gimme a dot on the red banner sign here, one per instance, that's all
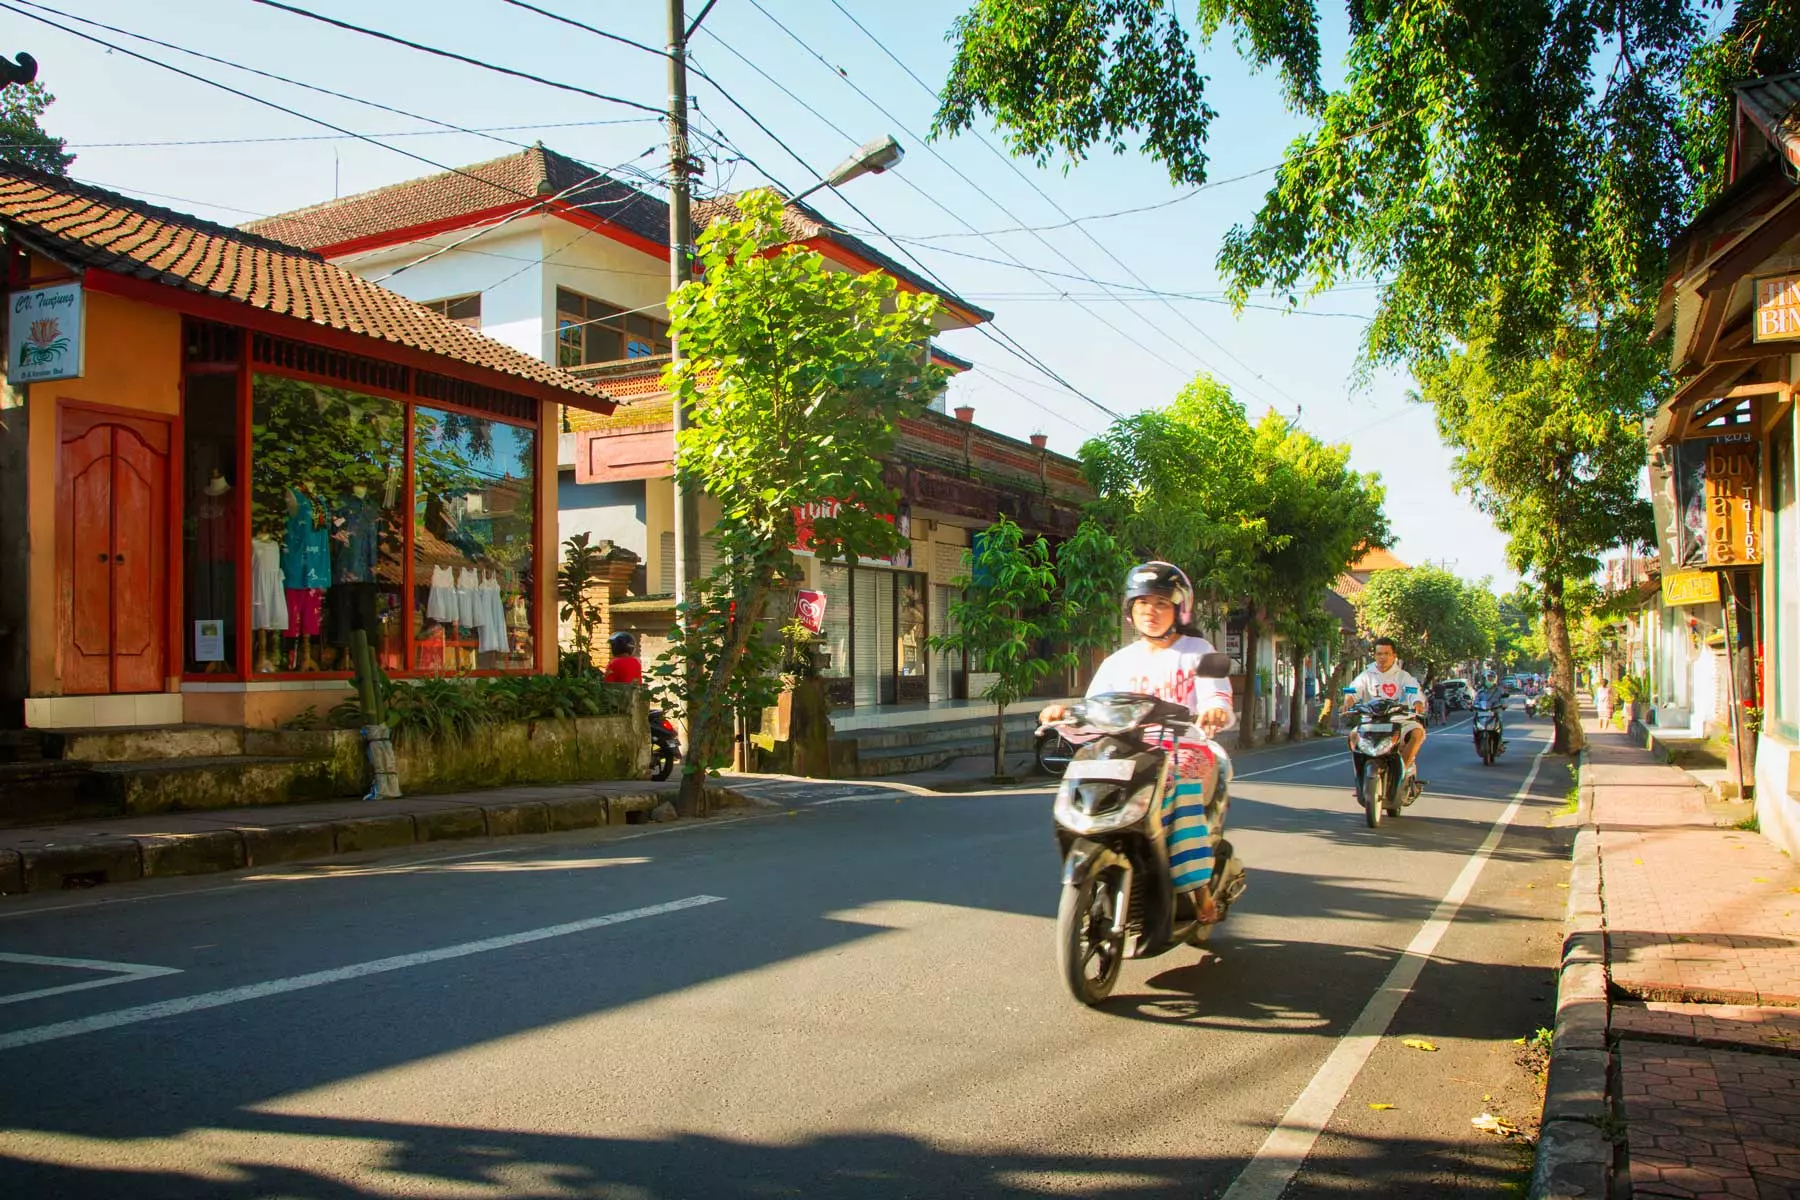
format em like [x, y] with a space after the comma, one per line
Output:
[810, 608]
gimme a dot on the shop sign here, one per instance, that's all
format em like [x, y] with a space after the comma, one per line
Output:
[806, 514]
[1680, 500]
[43, 334]
[1733, 516]
[809, 607]
[1778, 308]
[1690, 587]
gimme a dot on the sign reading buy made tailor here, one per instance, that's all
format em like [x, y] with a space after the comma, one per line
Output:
[1778, 308]
[43, 334]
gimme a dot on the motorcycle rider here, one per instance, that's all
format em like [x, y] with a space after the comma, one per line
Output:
[1159, 602]
[624, 666]
[1386, 679]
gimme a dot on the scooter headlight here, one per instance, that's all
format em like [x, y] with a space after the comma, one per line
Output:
[1100, 807]
[1120, 716]
[1375, 747]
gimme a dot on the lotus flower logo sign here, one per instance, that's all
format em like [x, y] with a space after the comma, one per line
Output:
[44, 344]
[44, 334]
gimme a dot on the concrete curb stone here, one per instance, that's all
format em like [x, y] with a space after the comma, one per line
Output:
[109, 858]
[1575, 1155]
[112, 860]
[447, 824]
[270, 844]
[192, 853]
[373, 833]
[511, 820]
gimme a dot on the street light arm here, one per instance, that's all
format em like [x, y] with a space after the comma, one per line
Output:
[871, 158]
[695, 23]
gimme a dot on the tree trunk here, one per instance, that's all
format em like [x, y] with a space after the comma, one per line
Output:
[1333, 693]
[1297, 701]
[1248, 734]
[999, 742]
[713, 707]
[1568, 737]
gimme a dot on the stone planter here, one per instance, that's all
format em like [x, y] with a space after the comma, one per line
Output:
[531, 752]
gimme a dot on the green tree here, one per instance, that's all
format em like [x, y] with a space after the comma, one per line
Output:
[1006, 612]
[1090, 573]
[1435, 619]
[21, 109]
[582, 572]
[1553, 450]
[1325, 515]
[794, 374]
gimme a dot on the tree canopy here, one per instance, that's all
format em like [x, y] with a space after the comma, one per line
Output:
[22, 138]
[1435, 619]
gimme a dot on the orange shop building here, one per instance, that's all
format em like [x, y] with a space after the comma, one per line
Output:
[221, 456]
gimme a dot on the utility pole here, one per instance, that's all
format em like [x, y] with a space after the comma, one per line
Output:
[687, 506]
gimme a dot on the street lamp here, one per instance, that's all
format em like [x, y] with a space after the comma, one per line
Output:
[871, 158]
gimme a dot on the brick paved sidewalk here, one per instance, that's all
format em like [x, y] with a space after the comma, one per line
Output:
[1703, 951]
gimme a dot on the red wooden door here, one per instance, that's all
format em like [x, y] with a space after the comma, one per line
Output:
[113, 527]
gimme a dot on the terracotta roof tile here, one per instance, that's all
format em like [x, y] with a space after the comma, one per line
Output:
[92, 227]
[1774, 105]
[541, 172]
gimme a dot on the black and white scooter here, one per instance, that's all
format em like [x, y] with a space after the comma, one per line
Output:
[1490, 735]
[1382, 782]
[1118, 900]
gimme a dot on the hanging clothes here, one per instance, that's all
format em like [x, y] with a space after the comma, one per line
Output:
[491, 618]
[268, 599]
[306, 544]
[440, 602]
[466, 582]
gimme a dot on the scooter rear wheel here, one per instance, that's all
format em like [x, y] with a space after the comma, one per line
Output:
[1374, 789]
[1088, 952]
[662, 762]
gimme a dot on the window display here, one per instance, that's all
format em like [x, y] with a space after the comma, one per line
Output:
[210, 545]
[473, 536]
[327, 539]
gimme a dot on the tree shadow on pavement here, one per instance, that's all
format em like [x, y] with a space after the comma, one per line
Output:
[263, 1156]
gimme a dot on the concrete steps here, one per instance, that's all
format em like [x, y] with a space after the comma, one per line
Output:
[81, 773]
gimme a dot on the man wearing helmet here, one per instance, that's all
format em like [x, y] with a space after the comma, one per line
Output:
[1164, 662]
[1386, 679]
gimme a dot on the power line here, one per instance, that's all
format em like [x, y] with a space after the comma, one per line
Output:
[454, 57]
[329, 137]
[982, 192]
[1007, 161]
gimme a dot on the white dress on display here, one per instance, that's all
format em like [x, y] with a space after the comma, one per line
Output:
[268, 598]
[440, 602]
[466, 582]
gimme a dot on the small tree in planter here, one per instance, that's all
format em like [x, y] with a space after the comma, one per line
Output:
[583, 569]
[1005, 611]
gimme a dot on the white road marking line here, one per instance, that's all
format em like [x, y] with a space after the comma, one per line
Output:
[295, 983]
[116, 972]
[1284, 1151]
[1337, 755]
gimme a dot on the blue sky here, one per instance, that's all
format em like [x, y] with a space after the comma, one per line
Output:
[1125, 355]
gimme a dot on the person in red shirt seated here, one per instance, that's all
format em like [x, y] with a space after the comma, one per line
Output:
[624, 667]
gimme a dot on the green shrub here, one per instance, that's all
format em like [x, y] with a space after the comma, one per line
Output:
[450, 708]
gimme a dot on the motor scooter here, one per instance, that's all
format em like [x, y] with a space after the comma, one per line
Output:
[665, 745]
[1490, 736]
[1382, 781]
[1118, 899]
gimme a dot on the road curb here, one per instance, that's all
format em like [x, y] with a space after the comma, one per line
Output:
[118, 858]
[1575, 1153]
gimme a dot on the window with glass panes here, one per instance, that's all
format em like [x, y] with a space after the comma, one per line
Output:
[593, 331]
[464, 310]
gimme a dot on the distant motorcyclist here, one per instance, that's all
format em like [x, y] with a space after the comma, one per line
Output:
[1159, 601]
[1385, 679]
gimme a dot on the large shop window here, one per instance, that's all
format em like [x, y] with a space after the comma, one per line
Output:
[1784, 638]
[211, 545]
[473, 539]
[326, 525]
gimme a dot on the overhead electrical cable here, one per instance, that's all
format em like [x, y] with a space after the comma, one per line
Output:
[327, 137]
[455, 57]
[1007, 161]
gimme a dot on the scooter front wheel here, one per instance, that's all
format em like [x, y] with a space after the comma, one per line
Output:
[1088, 950]
[662, 762]
[1374, 791]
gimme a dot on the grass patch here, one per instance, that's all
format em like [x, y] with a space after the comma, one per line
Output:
[1749, 824]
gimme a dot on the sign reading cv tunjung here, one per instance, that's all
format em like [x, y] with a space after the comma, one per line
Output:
[43, 334]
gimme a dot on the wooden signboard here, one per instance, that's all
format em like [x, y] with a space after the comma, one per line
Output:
[1778, 308]
[1690, 587]
[1733, 515]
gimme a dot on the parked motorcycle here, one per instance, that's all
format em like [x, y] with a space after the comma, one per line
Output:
[1490, 737]
[1053, 752]
[665, 746]
[1118, 900]
[1381, 779]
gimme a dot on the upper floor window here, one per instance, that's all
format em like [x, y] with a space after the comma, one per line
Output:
[592, 331]
[464, 310]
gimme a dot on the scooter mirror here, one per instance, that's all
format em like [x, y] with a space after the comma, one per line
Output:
[1214, 665]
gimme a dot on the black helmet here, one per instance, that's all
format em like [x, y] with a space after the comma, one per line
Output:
[1162, 579]
[621, 643]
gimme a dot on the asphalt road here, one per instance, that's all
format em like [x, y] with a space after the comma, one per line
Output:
[854, 996]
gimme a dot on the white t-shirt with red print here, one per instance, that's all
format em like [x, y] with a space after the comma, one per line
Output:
[1171, 673]
[1394, 685]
